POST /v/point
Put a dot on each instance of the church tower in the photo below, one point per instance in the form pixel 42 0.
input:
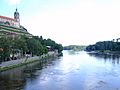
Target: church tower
pixel 17 16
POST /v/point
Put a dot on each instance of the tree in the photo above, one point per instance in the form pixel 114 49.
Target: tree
pixel 105 45
pixel 35 45
pixel 5 45
pixel 19 43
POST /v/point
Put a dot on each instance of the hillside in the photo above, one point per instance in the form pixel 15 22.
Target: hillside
pixel 6 30
pixel 75 47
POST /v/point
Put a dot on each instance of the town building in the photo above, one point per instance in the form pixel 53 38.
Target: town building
pixel 11 21
pixel 12 27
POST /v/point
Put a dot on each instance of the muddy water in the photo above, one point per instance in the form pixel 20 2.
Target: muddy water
pixel 73 71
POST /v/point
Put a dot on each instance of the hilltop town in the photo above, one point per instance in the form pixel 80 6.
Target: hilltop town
pixel 12 27
pixel 17 43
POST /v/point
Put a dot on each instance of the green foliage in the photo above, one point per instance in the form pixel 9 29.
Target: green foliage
pixel 59 47
pixel 35 45
pixel 5 45
pixel 53 45
pixel 75 47
pixel 103 46
pixel 19 43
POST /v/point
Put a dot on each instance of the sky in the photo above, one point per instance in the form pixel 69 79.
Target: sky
pixel 68 22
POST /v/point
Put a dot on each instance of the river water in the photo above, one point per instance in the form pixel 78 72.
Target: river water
pixel 72 71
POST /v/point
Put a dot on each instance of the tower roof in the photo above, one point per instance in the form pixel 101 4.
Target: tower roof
pixel 8 18
pixel 16 12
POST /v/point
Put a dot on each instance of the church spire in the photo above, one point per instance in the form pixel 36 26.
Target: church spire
pixel 17 16
pixel 16 9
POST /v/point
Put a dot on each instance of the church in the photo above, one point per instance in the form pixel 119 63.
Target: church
pixel 11 26
pixel 11 21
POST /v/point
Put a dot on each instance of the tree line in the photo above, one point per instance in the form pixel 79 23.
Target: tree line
pixel 104 45
pixel 75 47
pixel 23 45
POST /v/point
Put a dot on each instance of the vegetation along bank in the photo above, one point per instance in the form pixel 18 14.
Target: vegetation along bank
pixel 105 47
pixel 23 50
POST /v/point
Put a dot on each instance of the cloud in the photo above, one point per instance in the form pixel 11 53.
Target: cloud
pixel 14 2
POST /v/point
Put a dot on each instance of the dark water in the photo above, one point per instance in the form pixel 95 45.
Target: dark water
pixel 73 71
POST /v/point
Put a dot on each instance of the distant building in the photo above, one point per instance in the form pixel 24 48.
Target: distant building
pixel 11 26
pixel 17 17
pixel 10 21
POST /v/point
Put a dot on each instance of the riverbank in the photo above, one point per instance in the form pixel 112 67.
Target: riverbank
pixel 24 61
pixel 108 52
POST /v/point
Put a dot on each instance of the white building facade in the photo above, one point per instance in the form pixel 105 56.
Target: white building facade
pixel 10 21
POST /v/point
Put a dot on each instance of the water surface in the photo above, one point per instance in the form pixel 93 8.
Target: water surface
pixel 73 71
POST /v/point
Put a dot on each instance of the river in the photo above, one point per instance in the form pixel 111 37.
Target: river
pixel 72 71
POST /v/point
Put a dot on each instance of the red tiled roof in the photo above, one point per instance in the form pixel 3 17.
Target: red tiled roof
pixel 4 17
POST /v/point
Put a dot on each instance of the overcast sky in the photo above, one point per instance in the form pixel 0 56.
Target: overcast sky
pixel 80 22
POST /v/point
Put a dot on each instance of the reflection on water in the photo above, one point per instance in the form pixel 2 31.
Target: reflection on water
pixel 73 71
pixel 15 79
pixel 11 84
pixel 115 59
pixel 72 52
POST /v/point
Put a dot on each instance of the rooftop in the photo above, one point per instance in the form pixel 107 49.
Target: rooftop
pixel 4 17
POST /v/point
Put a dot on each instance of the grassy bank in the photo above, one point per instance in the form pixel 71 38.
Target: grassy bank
pixel 43 59
pixel 15 66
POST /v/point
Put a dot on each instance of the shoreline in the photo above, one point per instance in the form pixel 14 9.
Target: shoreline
pixel 4 66
pixel 107 52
